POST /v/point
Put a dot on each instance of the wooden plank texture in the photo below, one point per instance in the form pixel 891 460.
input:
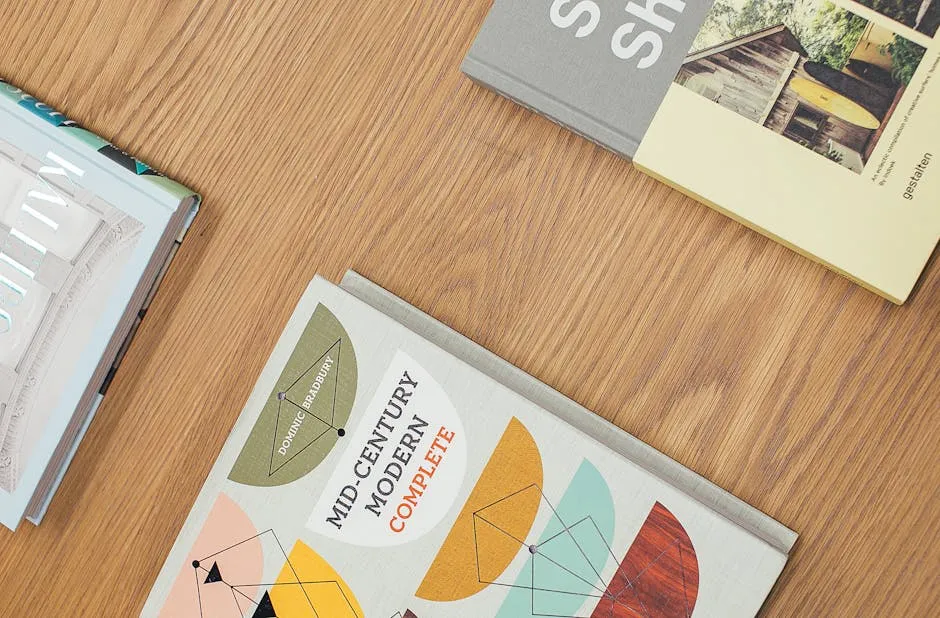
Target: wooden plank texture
pixel 330 135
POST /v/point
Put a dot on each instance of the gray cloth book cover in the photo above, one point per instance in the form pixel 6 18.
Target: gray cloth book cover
pixel 599 67
pixel 811 121
pixel 385 466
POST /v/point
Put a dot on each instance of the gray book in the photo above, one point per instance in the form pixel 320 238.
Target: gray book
pixel 386 466
pixel 599 67
pixel 811 122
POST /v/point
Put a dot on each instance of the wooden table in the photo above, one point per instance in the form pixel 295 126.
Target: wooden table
pixel 330 135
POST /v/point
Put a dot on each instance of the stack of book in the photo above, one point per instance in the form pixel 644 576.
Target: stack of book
pixel 86 234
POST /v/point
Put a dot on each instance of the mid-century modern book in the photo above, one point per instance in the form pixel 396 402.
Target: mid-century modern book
pixel 386 467
pixel 86 232
pixel 812 121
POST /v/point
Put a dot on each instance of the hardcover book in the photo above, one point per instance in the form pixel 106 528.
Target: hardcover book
pixel 385 466
pixel 812 121
pixel 86 233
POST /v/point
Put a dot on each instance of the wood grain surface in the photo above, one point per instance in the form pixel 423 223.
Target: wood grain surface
pixel 335 135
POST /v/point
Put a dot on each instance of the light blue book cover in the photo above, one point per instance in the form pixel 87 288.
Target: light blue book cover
pixel 83 229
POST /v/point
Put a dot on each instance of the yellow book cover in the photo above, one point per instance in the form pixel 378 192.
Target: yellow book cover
pixel 816 123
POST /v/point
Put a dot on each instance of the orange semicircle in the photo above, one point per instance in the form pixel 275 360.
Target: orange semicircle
pixel 513 474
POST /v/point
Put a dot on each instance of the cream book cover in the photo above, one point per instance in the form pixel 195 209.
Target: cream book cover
pixel 818 124
pixel 372 473
pixel 814 122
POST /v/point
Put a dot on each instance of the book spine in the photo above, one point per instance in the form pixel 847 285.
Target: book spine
pixel 10 94
pixel 560 113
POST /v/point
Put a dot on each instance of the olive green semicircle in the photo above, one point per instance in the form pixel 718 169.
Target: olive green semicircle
pixel 305 414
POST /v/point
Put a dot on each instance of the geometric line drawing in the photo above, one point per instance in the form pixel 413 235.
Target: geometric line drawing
pixel 308 579
pixel 570 562
pixel 305 414
pixel 200 592
pixel 540 553
pixel 514 462
pixel 246 605
pixel 291 407
pixel 564 565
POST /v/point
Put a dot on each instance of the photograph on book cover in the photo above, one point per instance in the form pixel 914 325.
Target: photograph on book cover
pixel 61 249
pixel 809 70
pixel 920 15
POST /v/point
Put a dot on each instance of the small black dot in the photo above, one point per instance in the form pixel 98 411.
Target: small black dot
pixel 195 564
pixel 282 396
pixel 533 549
pixel 341 432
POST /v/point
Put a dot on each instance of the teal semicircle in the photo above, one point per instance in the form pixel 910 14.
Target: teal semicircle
pixel 564 567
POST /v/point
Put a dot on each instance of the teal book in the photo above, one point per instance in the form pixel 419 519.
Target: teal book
pixel 86 234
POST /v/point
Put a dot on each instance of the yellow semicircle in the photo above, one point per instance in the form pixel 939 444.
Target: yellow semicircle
pixel 309 579
pixel 836 104
pixel 498 513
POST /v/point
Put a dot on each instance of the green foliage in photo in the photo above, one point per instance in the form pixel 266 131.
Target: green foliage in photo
pixel 827 32
pixel 908 11
pixel 905 58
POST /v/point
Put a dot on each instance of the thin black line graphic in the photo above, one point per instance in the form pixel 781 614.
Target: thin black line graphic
pixel 235 545
pixel 603 593
pixel 319 361
pixel 476 543
pixel 198 592
pixel 308 412
pixel 586 595
pixel 297 577
pixel 244 595
pixel 685 591
pixel 576 544
pixel 339 355
pixel 277 421
pixel 235 588
pixel 575 524
pixel 322 581
pixel 338 344
pixel 481 518
pixel 237 606
pixel 312 442
pixel 619 574
pixel 532 602
pixel 517 492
